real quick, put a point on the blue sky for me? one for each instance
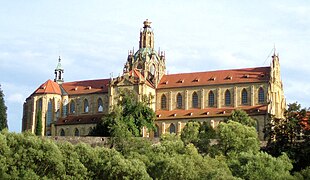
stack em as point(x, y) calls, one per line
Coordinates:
point(93, 38)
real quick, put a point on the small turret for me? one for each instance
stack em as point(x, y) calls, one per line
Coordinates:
point(59, 73)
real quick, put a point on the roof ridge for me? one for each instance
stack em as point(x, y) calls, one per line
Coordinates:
point(86, 80)
point(217, 70)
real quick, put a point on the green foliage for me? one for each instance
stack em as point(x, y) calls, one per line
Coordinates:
point(199, 135)
point(236, 138)
point(26, 156)
point(303, 174)
point(38, 130)
point(291, 136)
point(242, 117)
point(127, 118)
point(3, 115)
point(260, 165)
point(190, 133)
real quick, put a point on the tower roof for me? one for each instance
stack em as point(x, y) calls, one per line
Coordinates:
point(59, 67)
point(49, 87)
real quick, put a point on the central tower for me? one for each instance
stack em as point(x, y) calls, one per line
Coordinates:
point(146, 36)
point(150, 63)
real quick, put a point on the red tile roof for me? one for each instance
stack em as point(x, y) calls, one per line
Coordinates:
point(86, 87)
point(49, 87)
point(207, 112)
point(136, 73)
point(81, 119)
point(246, 75)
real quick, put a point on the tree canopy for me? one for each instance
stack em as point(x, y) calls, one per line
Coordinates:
point(3, 114)
point(242, 117)
point(127, 118)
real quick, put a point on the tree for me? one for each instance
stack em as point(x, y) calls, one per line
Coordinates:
point(38, 130)
point(3, 109)
point(260, 165)
point(127, 118)
point(242, 117)
point(236, 138)
point(190, 133)
point(198, 134)
point(291, 135)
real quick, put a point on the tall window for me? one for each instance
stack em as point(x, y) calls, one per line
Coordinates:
point(86, 107)
point(227, 98)
point(179, 101)
point(261, 95)
point(156, 132)
point(76, 132)
point(72, 107)
point(39, 104)
point(65, 108)
point(195, 100)
point(244, 97)
point(58, 109)
point(172, 128)
point(62, 132)
point(49, 114)
point(211, 99)
point(100, 105)
point(163, 102)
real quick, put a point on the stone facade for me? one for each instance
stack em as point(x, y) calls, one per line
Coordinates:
point(74, 108)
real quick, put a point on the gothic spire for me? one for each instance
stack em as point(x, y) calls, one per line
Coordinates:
point(59, 72)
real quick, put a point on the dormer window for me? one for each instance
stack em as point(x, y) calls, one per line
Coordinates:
point(180, 81)
point(246, 76)
point(228, 78)
point(196, 80)
point(212, 78)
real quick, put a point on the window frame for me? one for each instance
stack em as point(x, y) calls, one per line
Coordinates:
point(163, 102)
point(227, 98)
point(179, 104)
point(244, 97)
point(211, 101)
point(195, 100)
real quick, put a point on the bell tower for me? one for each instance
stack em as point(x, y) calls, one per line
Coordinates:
point(59, 73)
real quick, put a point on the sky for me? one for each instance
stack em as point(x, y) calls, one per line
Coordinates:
point(93, 38)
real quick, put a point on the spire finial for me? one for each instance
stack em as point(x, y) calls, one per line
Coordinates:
point(147, 23)
point(274, 49)
point(59, 59)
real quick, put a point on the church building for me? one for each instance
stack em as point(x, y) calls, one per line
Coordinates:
point(74, 108)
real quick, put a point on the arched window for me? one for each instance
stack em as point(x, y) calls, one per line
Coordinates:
point(62, 132)
point(211, 99)
point(72, 107)
point(156, 131)
point(39, 104)
point(244, 97)
point(179, 101)
point(163, 102)
point(152, 69)
point(65, 108)
point(261, 95)
point(227, 98)
point(86, 107)
point(49, 114)
point(100, 105)
point(195, 100)
point(76, 132)
point(172, 128)
point(58, 109)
